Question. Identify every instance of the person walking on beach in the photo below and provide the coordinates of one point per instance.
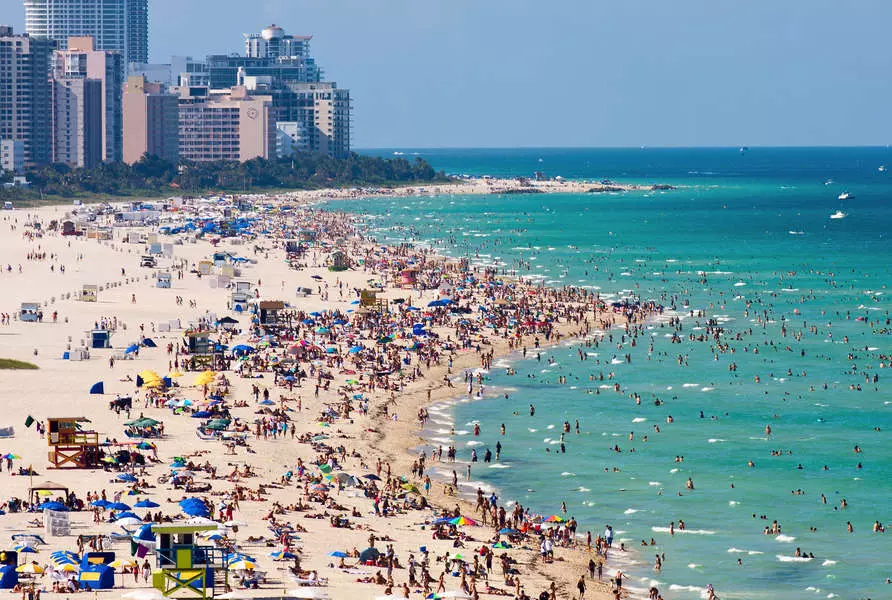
(580, 585)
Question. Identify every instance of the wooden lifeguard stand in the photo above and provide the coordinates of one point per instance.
(71, 447)
(185, 568)
(369, 301)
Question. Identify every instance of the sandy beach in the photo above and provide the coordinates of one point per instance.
(354, 407)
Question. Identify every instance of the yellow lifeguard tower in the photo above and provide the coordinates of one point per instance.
(72, 447)
(185, 568)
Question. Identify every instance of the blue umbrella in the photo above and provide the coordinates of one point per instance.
(356, 349)
(22, 549)
(52, 506)
(201, 414)
(146, 504)
(338, 554)
(194, 507)
(117, 506)
(126, 477)
(131, 348)
(100, 503)
(127, 515)
(266, 402)
(144, 533)
(149, 343)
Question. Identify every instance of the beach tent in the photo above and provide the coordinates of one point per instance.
(98, 577)
(98, 388)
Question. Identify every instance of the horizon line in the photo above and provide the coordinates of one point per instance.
(645, 147)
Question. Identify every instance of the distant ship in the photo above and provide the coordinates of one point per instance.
(744, 149)
(838, 215)
(845, 196)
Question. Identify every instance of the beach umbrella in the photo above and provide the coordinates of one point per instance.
(126, 477)
(243, 565)
(356, 349)
(554, 519)
(32, 568)
(149, 343)
(338, 554)
(23, 549)
(146, 504)
(371, 477)
(462, 521)
(100, 503)
(204, 378)
(194, 507)
(501, 546)
(122, 563)
(117, 506)
(409, 487)
(509, 531)
(98, 388)
(149, 375)
(282, 555)
(68, 568)
(53, 506)
(143, 422)
(308, 593)
(201, 414)
(125, 515)
(12, 456)
(369, 554)
(144, 446)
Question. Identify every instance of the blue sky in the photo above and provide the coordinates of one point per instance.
(428, 73)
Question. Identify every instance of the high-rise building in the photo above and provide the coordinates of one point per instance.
(268, 53)
(12, 156)
(225, 125)
(81, 61)
(26, 94)
(151, 121)
(119, 25)
(273, 43)
(77, 121)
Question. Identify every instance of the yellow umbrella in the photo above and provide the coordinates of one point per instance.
(242, 565)
(29, 568)
(122, 563)
(68, 568)
(149, 374)
(204, 378)
(153, 383)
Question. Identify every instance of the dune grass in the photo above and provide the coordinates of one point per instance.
(8, 363)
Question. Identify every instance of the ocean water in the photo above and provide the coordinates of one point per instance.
(748, 240)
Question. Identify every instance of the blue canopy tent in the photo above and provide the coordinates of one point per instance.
(98, 388)
(149, 343)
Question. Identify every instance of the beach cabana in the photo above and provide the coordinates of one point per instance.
(162, 280)
(9, 578)
(43, 489)
(338, 261)
(30, 312)
(95, 571)
(270, 312)
(100, 338)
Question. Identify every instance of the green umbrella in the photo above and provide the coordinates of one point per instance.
(217, 424)
(143, 422)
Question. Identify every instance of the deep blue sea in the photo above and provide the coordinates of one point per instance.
(748, 239)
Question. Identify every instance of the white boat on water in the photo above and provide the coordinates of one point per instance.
(838, 215)
(845, 196)
(881, 168)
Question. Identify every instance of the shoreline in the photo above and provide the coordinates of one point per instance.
(393, 440)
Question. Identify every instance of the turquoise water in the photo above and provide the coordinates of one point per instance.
(747, 240)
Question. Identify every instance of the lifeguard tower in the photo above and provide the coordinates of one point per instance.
(369, 301)
(338, 261)
(202, 350)
(72, 447)
(89, 293)
(184, 568)
(408, 277)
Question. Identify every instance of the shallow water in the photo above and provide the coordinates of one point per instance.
(747, 240)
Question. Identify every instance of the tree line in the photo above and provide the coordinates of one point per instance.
(155, 176)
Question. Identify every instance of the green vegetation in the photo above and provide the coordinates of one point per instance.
(152, 176)
(8, 363)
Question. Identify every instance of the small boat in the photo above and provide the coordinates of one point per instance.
(881, 168)
(845, 196)
(838, 215)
